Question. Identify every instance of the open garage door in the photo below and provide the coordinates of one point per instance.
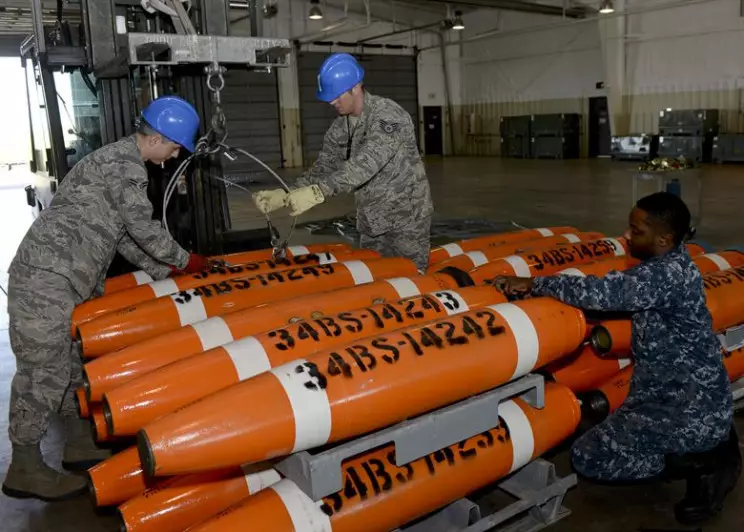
(251, 104)
(392, 76)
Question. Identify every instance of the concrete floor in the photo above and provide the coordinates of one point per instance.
(591, 195)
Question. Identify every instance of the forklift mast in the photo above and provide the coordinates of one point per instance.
(123, 54)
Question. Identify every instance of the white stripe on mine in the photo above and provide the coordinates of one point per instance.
(525, 334)
(545, 232)
(453, 250)
(259, 480)
(359, 271)
(719, 261)
(191, 311)
(404, 286)
(478, 257)
(310, 405)
(520, 266)
(520, 430)
(142, 277)
(298, 250)
(572, 238)
(305, 514)
(326, 258)
(165, 287)
(248, 357)
(572, 271)
(619, 249)
(213, 332)
(623, 363)
(452, 302)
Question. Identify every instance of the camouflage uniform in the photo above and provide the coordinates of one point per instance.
(680, 398)
(377, 158)
(99, 208)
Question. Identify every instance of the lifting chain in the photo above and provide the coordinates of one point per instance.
(211, 143)
(214, 142)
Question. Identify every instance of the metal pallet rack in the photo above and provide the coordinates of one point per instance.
(538, 489)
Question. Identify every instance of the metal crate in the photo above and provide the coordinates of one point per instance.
(728, 149)
(555, 147)
(556, 125)
(515, 126)
(692, 122)
(674, 147)
(516, 147)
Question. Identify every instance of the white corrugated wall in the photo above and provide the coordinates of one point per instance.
(676, 57)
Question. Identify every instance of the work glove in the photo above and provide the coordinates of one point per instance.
(269, 200)
(303, 199)
(197, 264)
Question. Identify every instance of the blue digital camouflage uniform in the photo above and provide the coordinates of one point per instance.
(100, 208)
(680, 399)
(376, 157)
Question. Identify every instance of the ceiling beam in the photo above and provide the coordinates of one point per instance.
(520, 5)
(406, 13)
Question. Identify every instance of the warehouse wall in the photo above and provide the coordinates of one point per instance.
(675, 57)
(523, 71)
(688, 57)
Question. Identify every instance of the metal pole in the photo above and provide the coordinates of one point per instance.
(56, 135)
(448, 99)
(33, 163)
(406, 30)
(36, 13)
(253, 5)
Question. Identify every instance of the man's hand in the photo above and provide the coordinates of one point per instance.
(513, 286)
(270, 200)
(303, 199)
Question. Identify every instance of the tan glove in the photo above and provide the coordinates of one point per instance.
(269, 200)
(303, 199)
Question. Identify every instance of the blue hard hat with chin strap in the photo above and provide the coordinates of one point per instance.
(174, 118)
(338, 74)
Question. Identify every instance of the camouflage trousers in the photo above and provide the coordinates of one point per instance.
(632, 443)
(48, 363)
(412, 241)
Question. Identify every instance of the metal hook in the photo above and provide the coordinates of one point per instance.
(221, 80)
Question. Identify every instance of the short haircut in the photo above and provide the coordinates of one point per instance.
(669, 210)
(143, 128)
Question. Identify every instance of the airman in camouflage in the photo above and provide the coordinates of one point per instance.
(100, 207)
(370, 150)
(679, 403)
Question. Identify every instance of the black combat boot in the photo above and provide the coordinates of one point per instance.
(710, 481)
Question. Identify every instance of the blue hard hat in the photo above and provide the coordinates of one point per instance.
(174, 118)
(338, 74)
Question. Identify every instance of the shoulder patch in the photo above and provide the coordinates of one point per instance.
(388, 126)
(138, 184)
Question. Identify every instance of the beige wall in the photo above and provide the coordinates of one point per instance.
(644, 108)
(486, 140)
(643, 115)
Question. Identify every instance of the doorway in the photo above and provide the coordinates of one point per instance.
(600, 134)
(433, 131)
